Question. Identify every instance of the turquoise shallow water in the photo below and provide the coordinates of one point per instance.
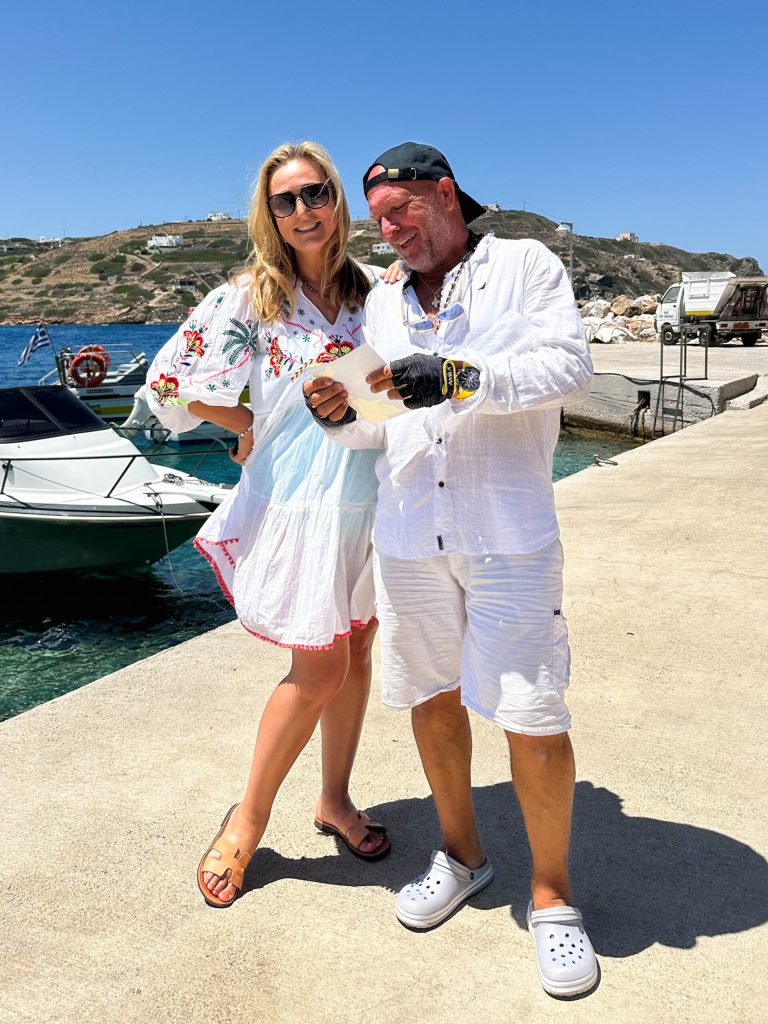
(61, 634)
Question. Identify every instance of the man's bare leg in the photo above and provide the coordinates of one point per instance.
(543, 773)
(443, 736)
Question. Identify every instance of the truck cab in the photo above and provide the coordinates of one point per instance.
(668, 315)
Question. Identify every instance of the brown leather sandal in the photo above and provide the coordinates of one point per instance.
(230, 858)
(355, 829)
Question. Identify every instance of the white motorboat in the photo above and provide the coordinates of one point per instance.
(75, 496)
(106, 379)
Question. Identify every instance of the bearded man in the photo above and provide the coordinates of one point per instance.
(483, 342)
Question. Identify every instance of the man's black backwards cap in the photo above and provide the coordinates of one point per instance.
(411, 161)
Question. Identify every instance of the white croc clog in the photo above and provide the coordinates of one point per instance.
(564, 955)
(434, 895)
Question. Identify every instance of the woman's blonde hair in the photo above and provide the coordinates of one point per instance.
(271, 265)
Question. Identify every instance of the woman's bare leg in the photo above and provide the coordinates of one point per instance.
(341, 723)
(287, 723)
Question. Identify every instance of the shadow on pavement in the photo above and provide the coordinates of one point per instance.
(638, 881)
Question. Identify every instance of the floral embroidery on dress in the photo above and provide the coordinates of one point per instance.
(278, 360)
(335, 349)
(195, 344)
(167, 390)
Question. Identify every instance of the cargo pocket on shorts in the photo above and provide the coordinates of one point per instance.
(561, 652)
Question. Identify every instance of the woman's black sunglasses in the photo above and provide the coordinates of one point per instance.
(314, 196)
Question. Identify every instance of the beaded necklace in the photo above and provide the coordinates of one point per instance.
(438, 306)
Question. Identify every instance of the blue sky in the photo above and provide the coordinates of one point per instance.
(647, 118)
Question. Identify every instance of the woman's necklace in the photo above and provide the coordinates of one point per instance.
(321, 302)
(310, 287)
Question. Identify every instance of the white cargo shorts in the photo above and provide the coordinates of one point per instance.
(491, 625)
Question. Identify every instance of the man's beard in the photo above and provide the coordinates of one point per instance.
(424, 259)
(432, 243)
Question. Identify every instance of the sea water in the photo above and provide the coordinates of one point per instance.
(56, 637)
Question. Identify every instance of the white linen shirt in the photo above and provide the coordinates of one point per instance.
(475, 476)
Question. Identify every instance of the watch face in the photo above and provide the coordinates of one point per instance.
(469, 378)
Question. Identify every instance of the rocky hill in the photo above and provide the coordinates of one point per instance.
(115, 278)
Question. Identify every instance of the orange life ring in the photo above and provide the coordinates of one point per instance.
(98, 349)
(88, 369)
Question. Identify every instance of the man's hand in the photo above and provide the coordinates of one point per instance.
(422, 380)
(327, 400)
(417, 380)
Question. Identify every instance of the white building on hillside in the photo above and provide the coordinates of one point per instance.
(382, 248)
(218, 216)
(627, 236)
(185, 284)
(165, 242)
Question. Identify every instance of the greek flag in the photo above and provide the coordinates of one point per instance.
(39, 339)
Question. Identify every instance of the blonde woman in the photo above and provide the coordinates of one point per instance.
(291, 546)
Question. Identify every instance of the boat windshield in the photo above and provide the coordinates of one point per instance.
(28, 413)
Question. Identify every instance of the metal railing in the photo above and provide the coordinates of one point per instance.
(681, 378)
(7, 462)
(119, 356)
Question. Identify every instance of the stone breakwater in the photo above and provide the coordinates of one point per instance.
(622, 320)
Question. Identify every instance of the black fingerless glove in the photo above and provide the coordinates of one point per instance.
(349, 416)
(419, 379)
(425, 380)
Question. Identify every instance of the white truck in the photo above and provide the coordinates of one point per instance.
(714, 306)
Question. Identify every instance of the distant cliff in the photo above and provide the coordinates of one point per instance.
(115, 278)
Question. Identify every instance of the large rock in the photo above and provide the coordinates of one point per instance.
(596, 307)
(648, 334)
(636, 324)
(605, 332)
(647, 303)
(622, 305)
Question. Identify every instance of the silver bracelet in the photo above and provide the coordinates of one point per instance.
(248, 430)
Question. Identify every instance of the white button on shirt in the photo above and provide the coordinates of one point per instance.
(475, 476)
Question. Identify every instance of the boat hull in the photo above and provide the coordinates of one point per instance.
(35, 542)
(113, 405)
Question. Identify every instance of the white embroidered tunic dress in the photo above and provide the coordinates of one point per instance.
(291, 545)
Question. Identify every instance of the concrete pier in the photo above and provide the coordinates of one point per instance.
(112, 793)
(628, 375)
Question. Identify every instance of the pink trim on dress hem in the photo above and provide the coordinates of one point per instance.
(354, 624)
(197, 544)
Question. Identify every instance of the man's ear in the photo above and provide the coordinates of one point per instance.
(446, 189)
